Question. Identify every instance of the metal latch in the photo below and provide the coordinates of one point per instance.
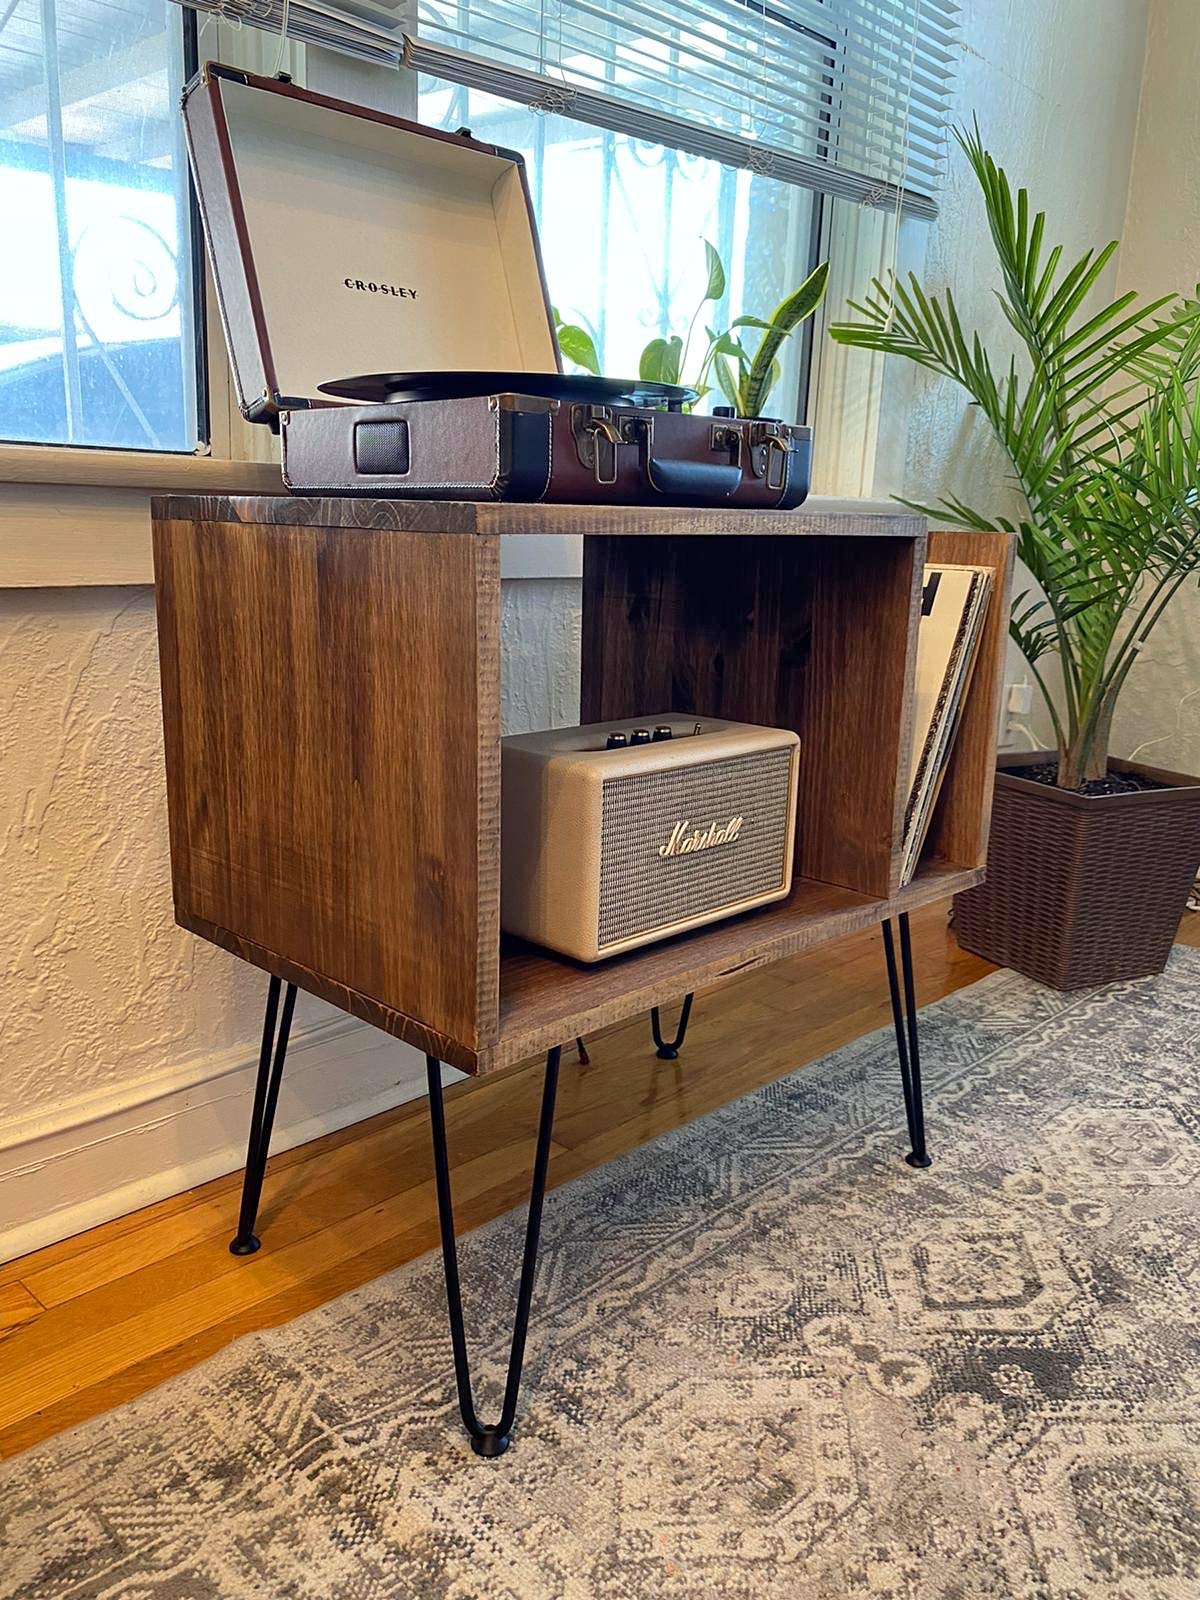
(726, 438)
(597, 434)
(770, 447)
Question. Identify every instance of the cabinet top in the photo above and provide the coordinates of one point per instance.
(815, 517)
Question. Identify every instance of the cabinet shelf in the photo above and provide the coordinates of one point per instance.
(546, 999)
(331, 702)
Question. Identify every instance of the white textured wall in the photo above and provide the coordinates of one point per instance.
(1055, 88)
(97, 986)
(539, 641)
(1160, 253)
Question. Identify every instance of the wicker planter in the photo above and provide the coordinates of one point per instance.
(1081, 890)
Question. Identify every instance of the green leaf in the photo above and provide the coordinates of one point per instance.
(788, 315)
(577, 345)
(716, 273)
(651, 363)
(727, 383)
(1099, 416)
(660, 360)
(724, 344)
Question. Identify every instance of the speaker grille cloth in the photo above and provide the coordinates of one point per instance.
(641, 890)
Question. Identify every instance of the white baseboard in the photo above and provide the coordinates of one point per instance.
(105, 1154)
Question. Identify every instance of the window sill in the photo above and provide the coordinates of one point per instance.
(148, 470)
(79, 517)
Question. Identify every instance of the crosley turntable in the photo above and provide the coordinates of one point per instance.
(343, 239)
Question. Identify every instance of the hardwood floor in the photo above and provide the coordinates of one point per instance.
(94, 1320)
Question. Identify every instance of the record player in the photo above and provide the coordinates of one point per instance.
(345, 241)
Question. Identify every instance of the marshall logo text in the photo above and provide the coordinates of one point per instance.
(683, 843)
(369, 286)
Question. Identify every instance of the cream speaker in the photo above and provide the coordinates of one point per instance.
(681, 822)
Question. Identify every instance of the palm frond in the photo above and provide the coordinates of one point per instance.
(1099, 415)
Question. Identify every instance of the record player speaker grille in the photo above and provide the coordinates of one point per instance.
(642, 891)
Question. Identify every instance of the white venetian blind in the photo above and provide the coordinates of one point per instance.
(369, 30)
(845, 96)
(848, 97)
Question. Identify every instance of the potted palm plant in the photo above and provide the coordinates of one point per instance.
(1098, 412)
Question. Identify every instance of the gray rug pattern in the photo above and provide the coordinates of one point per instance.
(767, 1360)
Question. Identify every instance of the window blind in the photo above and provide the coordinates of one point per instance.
(845, 96)
(369, 30)
(848, 97)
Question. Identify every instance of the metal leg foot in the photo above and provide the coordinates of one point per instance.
(669, 1050)
(489, 1441)
(904, 1019)
(266, 1096)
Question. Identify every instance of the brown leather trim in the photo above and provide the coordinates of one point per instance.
(472, 449)
(356, 1004)
(242, 230)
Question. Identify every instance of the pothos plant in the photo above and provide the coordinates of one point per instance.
(1099, 416)
(744, 378)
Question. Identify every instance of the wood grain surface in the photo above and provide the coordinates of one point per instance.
(827, 517)
(547, 1000)
(331, 719)
(857, 713)
(816, 635)
(331, 710)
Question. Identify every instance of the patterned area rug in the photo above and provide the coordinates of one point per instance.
(767, 1360)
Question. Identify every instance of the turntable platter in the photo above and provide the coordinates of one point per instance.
(382, 388)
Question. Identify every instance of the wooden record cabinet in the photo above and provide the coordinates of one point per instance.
(331, 698)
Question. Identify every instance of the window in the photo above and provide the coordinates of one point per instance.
(648, 128)
(622, 224)
(97, 320)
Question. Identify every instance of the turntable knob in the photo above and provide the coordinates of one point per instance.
(723, 411)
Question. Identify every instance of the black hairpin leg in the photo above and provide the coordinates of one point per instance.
(669, 1050)
(904, 1017)
(266, 1096)
(493, 1441)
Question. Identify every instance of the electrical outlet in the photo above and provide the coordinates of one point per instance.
(1018, 703)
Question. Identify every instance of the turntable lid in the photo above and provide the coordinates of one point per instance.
(344, 240)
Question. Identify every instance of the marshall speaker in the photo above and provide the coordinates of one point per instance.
(618, 834)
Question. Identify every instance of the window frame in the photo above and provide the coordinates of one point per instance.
(196, 263)
(14, 453)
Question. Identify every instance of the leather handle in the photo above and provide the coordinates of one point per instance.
(695, 480)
